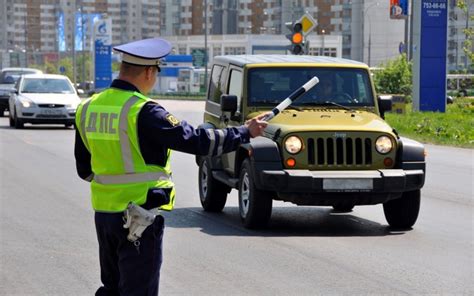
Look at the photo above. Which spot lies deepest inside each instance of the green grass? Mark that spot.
(453, 128)
(179, 96)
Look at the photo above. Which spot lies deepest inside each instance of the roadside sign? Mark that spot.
(62, 69)
(307, 22)
(199, 57)
(429, 60)
(102, 37)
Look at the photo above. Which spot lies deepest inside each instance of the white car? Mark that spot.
(43, 98)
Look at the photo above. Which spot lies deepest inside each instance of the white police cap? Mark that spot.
(147, 52)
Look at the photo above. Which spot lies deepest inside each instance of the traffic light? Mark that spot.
(296, 37)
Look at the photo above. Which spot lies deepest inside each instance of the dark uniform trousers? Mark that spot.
(126, 270)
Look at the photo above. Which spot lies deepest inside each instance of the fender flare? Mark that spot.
(264, 154)
(411, 154)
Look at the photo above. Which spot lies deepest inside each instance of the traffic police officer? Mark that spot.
(122, 146)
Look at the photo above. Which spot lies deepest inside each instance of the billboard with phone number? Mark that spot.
(103, 52)
(398, 9)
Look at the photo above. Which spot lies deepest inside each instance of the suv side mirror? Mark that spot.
(385, 104)
(229, 103)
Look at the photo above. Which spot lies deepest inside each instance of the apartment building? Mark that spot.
(34, 29)
(365, 25)
(30, 27)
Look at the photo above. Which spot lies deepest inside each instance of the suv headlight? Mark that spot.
(293, 144)
(26, 103)
(383, 145)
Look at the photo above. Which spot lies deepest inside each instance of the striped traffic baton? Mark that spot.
(291, 98)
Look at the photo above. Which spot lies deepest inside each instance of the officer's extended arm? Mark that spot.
(167, 131)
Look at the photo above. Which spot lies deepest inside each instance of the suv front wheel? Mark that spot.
(212, 193)
(403, 212)
(255, 206)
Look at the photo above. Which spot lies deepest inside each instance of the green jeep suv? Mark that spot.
(331, 147)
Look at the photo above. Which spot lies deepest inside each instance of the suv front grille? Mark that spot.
(339, 151)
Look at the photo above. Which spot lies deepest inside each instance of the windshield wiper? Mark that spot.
(329, 103)
(295, 107)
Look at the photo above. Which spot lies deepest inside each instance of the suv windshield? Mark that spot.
(343, 86)
(46, 85)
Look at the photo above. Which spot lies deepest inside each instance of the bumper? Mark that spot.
(40, 116)
(332, 187)
(48, 120)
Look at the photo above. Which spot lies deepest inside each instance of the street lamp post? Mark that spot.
(323, 32)
(74, 47)
(83, 48)
(370, 33)
(26, 42)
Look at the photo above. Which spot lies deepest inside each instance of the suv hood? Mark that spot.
(326, 120)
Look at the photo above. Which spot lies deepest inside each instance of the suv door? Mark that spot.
(234, 87)
(217, 81)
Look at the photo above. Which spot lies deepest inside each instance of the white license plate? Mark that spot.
(348, 184)
(51, 111)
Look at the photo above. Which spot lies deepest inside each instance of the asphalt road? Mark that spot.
(48, 244)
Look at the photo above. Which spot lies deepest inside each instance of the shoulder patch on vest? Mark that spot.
(172, 120)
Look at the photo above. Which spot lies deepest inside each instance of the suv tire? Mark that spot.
(212, 193)
(403, 212)
(255, 206)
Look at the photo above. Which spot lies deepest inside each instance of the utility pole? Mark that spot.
(83, 48)
(57, 12)
(410, 40)
(74, 46)
(405, 41)
(26, 41)
(205, 44)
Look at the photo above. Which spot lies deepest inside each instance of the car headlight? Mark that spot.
(293, 144)
(383, 145)
(26, 103)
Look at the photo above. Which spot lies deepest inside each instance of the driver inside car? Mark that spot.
(325, 90)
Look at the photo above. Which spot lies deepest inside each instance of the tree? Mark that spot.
(395, 77)
(468, 31)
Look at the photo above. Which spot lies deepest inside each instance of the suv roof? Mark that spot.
(242, 60)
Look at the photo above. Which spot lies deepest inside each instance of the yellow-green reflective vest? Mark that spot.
(107, 123)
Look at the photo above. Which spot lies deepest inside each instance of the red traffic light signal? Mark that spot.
(296, 37)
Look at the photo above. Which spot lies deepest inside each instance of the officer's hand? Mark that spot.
(256, 125)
